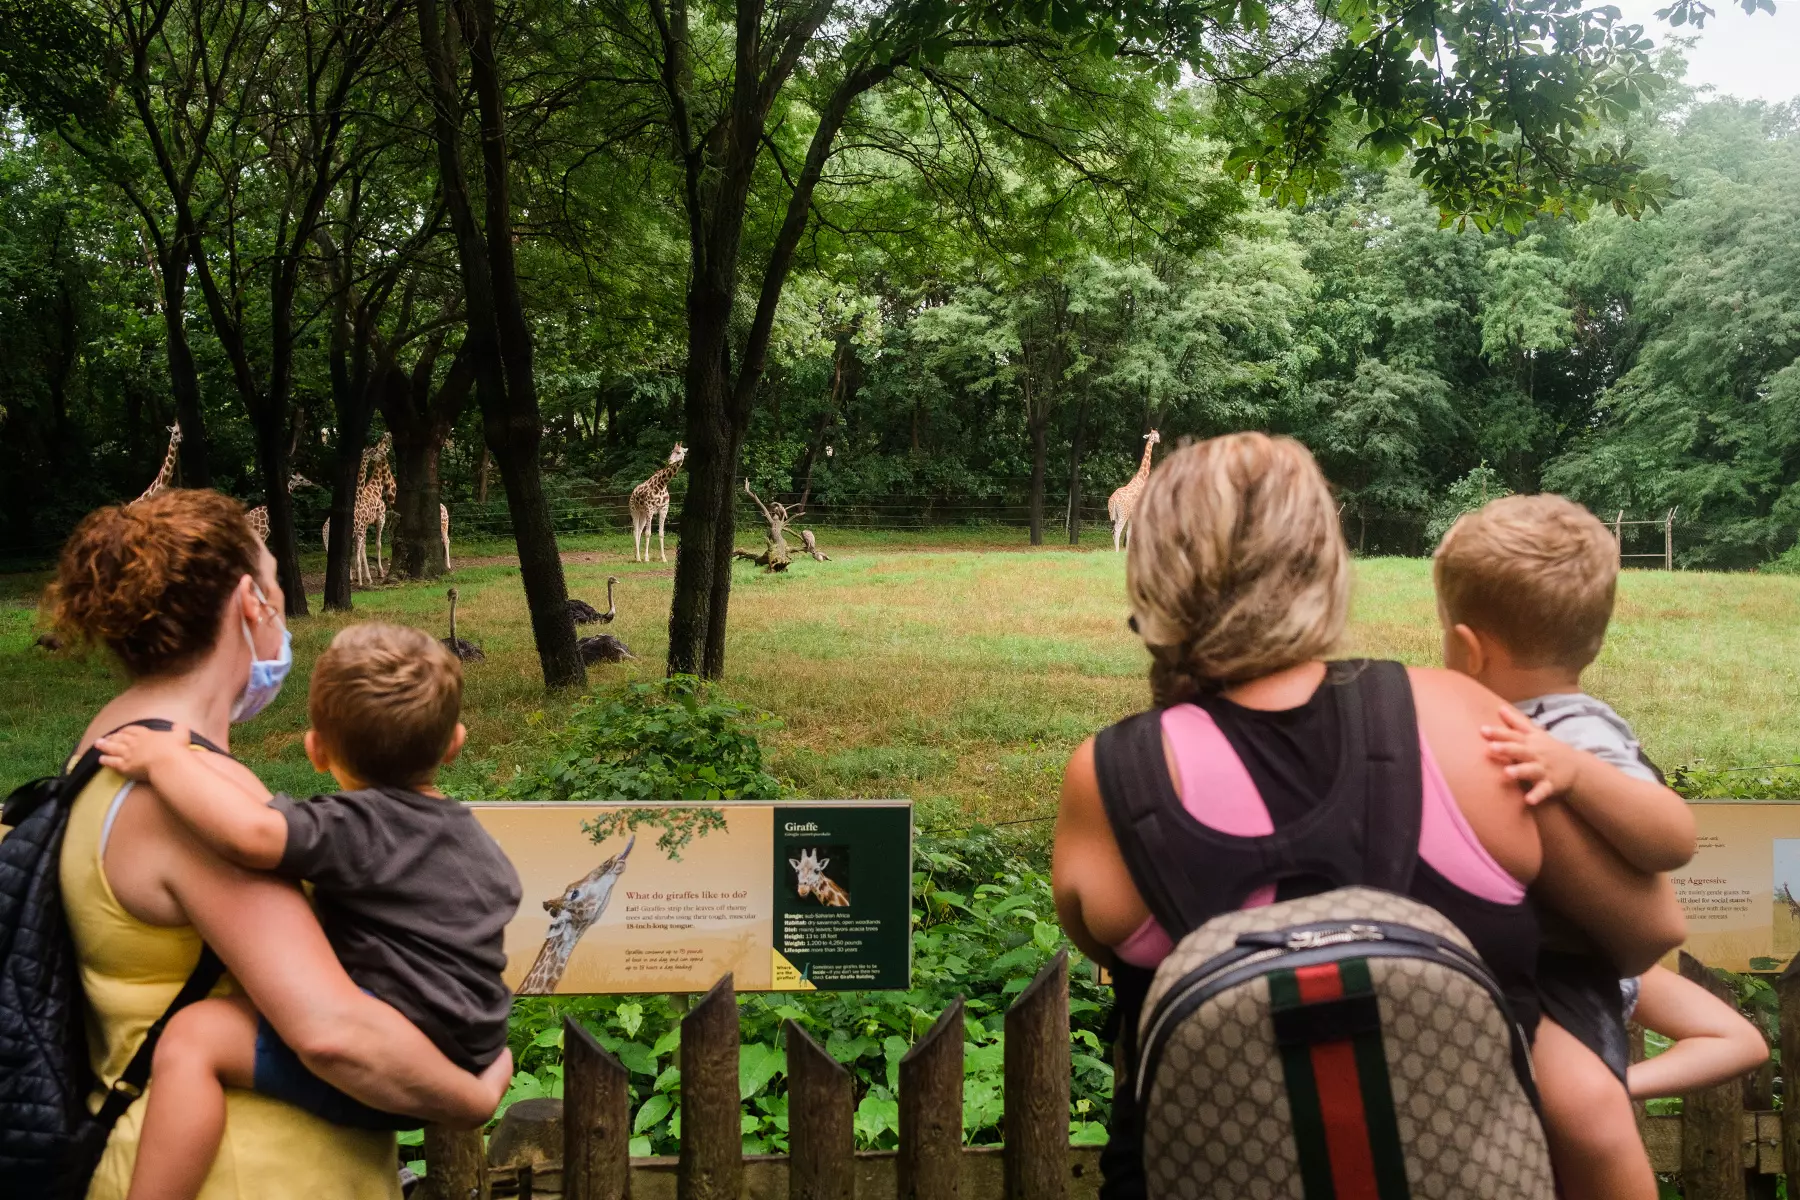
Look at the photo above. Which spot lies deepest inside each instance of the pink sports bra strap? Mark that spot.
(1217, 791)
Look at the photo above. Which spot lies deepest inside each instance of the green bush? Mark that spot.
(1465, 495)
(677, 739)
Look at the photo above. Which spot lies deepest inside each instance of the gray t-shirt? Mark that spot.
(414, 897)
(1579, 720)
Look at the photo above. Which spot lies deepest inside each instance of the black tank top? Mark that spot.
(1342, 780)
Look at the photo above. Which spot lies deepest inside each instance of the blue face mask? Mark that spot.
(266, 674)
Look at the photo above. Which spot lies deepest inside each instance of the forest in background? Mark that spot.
(1000, 317)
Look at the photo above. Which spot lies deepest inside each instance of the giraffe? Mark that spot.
(813, 882)
(167, 475)
(650, 502)
(259, 516)
(375, 490)
(1123, 502)
(571, 913)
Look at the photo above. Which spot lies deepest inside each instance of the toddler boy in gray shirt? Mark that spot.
(411, 892)
(1525, 592)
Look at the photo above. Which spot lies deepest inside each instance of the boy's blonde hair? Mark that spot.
(1536, 573)
(1237, 567)
(386, 698)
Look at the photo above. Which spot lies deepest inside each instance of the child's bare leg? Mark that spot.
(206, 1048)
(1594, 1142)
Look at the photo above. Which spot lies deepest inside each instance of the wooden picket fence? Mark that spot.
(1729, 1143)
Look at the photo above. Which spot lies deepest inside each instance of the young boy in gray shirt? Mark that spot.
(1525, 591)
(411, 892)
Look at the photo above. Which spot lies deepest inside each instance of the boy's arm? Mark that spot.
(231, 817)
(1633, 915)
(1650, 826)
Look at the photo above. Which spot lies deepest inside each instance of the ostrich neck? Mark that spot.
(453, 622)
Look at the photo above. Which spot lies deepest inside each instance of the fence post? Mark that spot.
(712, 1144)
(1712, 1120)
(1787, 993)
(596, 1119)
(821, 1122)
(1669, 540)
(931, 1110)
(1037, 1087)
(455, 1164)
(1619, 536)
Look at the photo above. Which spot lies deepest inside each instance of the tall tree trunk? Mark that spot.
(350, 402)
(499, 341)
(1077, 448)
(421, 421)
(1040, 461)
(718, 403)
(184, 377)
(272, 462)
(709, 510)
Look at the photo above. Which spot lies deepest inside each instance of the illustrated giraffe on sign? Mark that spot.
(814, 882)
(259, 516)
(650, 502)
(375, 490)
(1123, 502)
(166, 476)
(571, 914)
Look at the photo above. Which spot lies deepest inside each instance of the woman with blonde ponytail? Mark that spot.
(1238, 581)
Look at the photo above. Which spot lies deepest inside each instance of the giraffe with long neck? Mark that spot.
(375, 490)
(166, 476)
(571, 915)
(259, 516)
(1123, 502)
(650, 502)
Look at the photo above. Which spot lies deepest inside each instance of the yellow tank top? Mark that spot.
(131, 971)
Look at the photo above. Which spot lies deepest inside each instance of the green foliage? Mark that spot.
(984, 924)
(679, 826)
(677, 739)
(1465, 495)
(1774, 781)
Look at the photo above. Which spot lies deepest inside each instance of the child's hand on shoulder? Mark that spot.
(1538, 762)
(136, 749)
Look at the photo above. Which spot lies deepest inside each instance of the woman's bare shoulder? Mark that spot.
(1465, 697)
(1452, 708)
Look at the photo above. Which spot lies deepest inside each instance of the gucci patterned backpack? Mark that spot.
(1345, 1042)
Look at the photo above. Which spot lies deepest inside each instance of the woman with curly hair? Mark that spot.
(183, 594)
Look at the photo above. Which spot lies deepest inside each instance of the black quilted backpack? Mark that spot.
(50, 1142)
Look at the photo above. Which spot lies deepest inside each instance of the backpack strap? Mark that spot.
(1187, 874)
(71, 782)
(130, 1083)
(1135, 792)
(1394, 775)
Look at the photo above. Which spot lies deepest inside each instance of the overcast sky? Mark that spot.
(1751, 57)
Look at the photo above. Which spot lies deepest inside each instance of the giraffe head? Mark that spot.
(677, 455)
(175, 435)
(810, 869)
(300, 481)
(1153, 437)
(584, 898)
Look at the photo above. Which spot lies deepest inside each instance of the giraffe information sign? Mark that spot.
(802, 896)
(1741, 891)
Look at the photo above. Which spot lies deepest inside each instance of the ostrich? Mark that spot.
(603, 648)
(583, 613)
(467, 651)
(571, 913)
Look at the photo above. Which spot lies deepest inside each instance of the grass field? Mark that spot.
(958, 668)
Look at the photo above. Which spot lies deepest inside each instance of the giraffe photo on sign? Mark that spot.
(821, 872)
